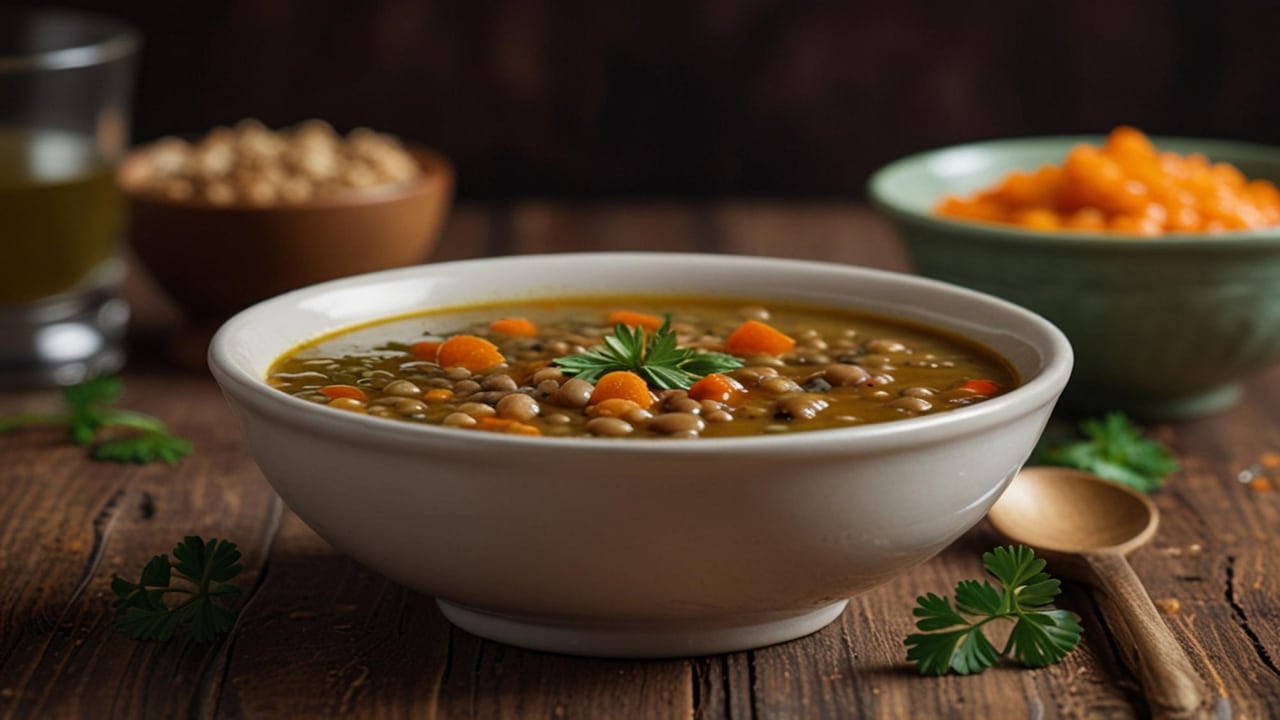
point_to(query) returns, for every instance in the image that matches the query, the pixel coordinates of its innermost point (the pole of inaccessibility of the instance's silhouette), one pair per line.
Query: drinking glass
(65, 87)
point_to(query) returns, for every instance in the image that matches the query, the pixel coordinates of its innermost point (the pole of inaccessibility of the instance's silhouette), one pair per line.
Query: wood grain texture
(321, 636)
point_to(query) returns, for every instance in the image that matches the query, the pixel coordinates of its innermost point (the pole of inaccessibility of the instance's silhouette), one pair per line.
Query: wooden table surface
(319, 635)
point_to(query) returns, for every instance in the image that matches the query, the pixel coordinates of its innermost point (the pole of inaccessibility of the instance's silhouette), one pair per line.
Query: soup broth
(793, 369)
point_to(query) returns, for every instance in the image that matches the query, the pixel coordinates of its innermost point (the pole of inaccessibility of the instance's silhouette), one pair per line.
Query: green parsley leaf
(657, 358)
(204, 569)
(142, 449)
(951, 638)
(110, 433)
(1114, 448)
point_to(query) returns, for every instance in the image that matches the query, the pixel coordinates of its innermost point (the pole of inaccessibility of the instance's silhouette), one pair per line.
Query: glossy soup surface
(843, 369)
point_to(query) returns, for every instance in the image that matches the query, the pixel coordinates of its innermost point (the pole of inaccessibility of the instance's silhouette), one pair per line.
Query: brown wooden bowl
(214, 260)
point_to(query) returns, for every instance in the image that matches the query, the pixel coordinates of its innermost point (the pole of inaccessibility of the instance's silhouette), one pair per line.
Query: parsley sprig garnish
(952, 638)
(656, 357)
(203, 568)
(1114, 448)
(110, 433)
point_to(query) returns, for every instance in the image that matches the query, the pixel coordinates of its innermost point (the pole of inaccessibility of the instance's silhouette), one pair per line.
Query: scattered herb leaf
(1114, 448)
(657, 358)
(951, 637)
(204, 569)
(110, 433)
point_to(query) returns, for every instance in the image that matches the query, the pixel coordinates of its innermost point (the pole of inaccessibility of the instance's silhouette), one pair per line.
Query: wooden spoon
(1084, 526)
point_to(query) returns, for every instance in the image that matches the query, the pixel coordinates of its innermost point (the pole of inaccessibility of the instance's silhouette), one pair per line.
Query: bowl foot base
(655, 639)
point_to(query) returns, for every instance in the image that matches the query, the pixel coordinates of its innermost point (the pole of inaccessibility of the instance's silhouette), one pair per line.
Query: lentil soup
(642, 367)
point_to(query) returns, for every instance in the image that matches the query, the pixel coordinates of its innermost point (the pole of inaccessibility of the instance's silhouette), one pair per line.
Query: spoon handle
(1172, 687)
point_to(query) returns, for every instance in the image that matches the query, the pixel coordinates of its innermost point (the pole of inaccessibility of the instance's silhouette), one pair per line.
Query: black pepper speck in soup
(611, 368)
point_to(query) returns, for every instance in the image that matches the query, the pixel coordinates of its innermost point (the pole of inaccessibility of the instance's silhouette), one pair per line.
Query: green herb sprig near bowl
(203, 570)
(112, 434)
(951, 638)
(1113, 448)
(657, 358)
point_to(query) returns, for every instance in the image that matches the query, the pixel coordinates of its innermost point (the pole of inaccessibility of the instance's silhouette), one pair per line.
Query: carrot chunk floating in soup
(756, 338)
(586, 373)
(717, 387)
(981, 387)
(514, 326)
(425, 350)
(333, 392)
(622, 385)
(470, 352)
(634, 319)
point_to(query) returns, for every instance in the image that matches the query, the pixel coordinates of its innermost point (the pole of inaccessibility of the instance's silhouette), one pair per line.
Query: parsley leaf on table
(951, 637)
(1114, 449)
(657, 358)
(130, 437)
(140, 608)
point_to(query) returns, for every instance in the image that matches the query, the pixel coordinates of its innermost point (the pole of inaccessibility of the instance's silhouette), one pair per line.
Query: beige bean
(548, 373)
(458, 419)
(500, 381)
(779, 385)
(911, 404)
(683, 405)
(346, 403)
(573, 393)
(402, 388)
(518, 406)
(885, 345)
(409, 406)
(636, 415)
(802, 407)
(844, 375)
(675, 422)
(608, 427)
(477, 410)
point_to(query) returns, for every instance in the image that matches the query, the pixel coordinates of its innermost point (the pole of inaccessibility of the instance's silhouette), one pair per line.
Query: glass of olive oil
(65, 89)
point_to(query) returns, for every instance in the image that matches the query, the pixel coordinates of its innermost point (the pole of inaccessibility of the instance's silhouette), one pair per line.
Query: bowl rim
(244, 386)
(892, 204)
(437, 175)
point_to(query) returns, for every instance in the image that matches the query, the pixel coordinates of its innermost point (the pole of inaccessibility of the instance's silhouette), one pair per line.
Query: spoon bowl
(1069, 511)
(1085, 525)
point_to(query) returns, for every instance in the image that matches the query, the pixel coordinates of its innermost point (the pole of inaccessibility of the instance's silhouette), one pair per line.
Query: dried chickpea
(252, 164)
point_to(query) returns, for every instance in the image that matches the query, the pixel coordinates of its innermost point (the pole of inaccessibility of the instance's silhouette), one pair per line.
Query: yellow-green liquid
(60, 212)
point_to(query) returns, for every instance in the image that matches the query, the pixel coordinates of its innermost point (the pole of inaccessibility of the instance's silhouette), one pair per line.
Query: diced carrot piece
(333, 392)
(505, 425)
(438, 395)
(634, 319)
(756, 338)
(622, 384)
(982, 387)
(718, 387)
(426, 350)
(523, 327)
(470, 352)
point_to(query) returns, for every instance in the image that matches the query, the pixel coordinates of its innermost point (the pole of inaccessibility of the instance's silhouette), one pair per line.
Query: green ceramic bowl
(1162, 327)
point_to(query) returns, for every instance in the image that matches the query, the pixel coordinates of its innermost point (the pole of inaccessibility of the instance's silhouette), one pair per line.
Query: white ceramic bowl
(638, 548)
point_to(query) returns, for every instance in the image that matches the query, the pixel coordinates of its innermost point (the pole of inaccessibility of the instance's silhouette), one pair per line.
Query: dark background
(746, 97)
